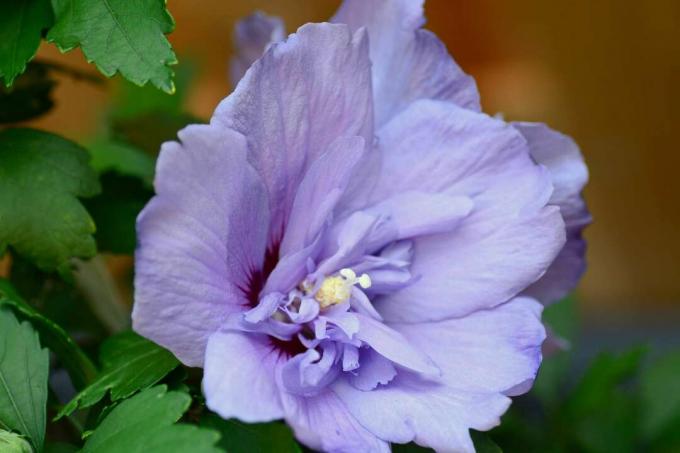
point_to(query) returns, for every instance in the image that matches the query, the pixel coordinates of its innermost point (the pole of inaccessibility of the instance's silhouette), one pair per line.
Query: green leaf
(21, 26)
(119, 36)
(562, 320)
(30, 97)
(13, 443)
(605, 375)
(123, 158)
(660, 395)
(23, 379)
(130, 363)
(41, 175)
(483, 443)
(115, 212)
(238, 437)
(145, 424)
(80, 368)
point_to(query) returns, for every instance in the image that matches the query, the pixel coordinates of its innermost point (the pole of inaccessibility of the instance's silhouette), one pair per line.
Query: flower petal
(323, 423)
(298, 98)
(319, 193)
(394, 346)
(199, 239)
(408, 63)
(252, 36)
(244, 389)
(562, 158)
(481, 356)
(508, 240)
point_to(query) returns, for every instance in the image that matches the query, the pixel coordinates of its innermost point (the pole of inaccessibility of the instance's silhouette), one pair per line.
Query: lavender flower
(352, 246)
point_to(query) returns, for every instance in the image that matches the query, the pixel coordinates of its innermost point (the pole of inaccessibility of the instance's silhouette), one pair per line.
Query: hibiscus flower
(352, 246)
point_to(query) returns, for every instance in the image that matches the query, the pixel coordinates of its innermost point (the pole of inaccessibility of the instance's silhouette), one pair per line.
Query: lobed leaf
(41, 177)
(79, 367)
(130, 363)
(23, 379)
(21, 26)
(145, 424)
(119, 36)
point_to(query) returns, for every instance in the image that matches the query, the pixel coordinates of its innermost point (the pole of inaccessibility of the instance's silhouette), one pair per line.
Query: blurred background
(606, 73)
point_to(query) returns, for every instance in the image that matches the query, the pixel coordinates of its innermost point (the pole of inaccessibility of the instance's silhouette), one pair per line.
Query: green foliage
(21, 26)
(660, 398)
(52, 335)
(23, 379)
(238, 437)
(13, 443)
(130, 363)
(41, 176)
(119, 36)
(145, 423)
(122, 158)
(115, 211)
(29, 97)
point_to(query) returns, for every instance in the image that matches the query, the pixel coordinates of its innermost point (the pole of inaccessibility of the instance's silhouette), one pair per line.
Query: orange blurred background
(605, 72)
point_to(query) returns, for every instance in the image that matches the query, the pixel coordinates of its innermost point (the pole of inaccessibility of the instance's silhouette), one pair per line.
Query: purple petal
(507, 241)
(481, 356)
(199, 240)
(252, 36)
(323, 423)
(569, 175)
(319, 192)
(296, 100)
(408, 63)
(374, 370)
(394, 346)
(417, 213)
(244, 389)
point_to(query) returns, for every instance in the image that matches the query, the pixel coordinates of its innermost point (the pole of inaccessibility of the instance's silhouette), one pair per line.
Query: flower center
(338, 288)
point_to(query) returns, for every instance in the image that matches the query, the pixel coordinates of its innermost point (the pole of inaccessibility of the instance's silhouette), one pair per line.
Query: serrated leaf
(21, 26)
(41, 176)
(80, 368)
(119, 36)
(115, 211)
(238, 437)
(23, 379)
(29, 97)
(145, 424)
(130, 363)
(660, 395)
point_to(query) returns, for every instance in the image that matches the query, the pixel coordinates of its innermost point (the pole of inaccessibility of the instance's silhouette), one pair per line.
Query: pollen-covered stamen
(338, 288)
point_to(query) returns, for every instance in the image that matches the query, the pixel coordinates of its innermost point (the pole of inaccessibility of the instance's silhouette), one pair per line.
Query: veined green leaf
(119, 36)
(23, 379)
(130, 363)
(145, 423)
(52, 336)
(41, 176)
(21, 26)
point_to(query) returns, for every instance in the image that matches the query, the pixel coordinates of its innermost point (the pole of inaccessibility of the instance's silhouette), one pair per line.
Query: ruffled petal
(408, 63)
(561, 156)
(298, 98)
(319, 193)
(481, 356)
(323, 423)
(252, 36)
(243, 389)
(508, 240)
(200, 239)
